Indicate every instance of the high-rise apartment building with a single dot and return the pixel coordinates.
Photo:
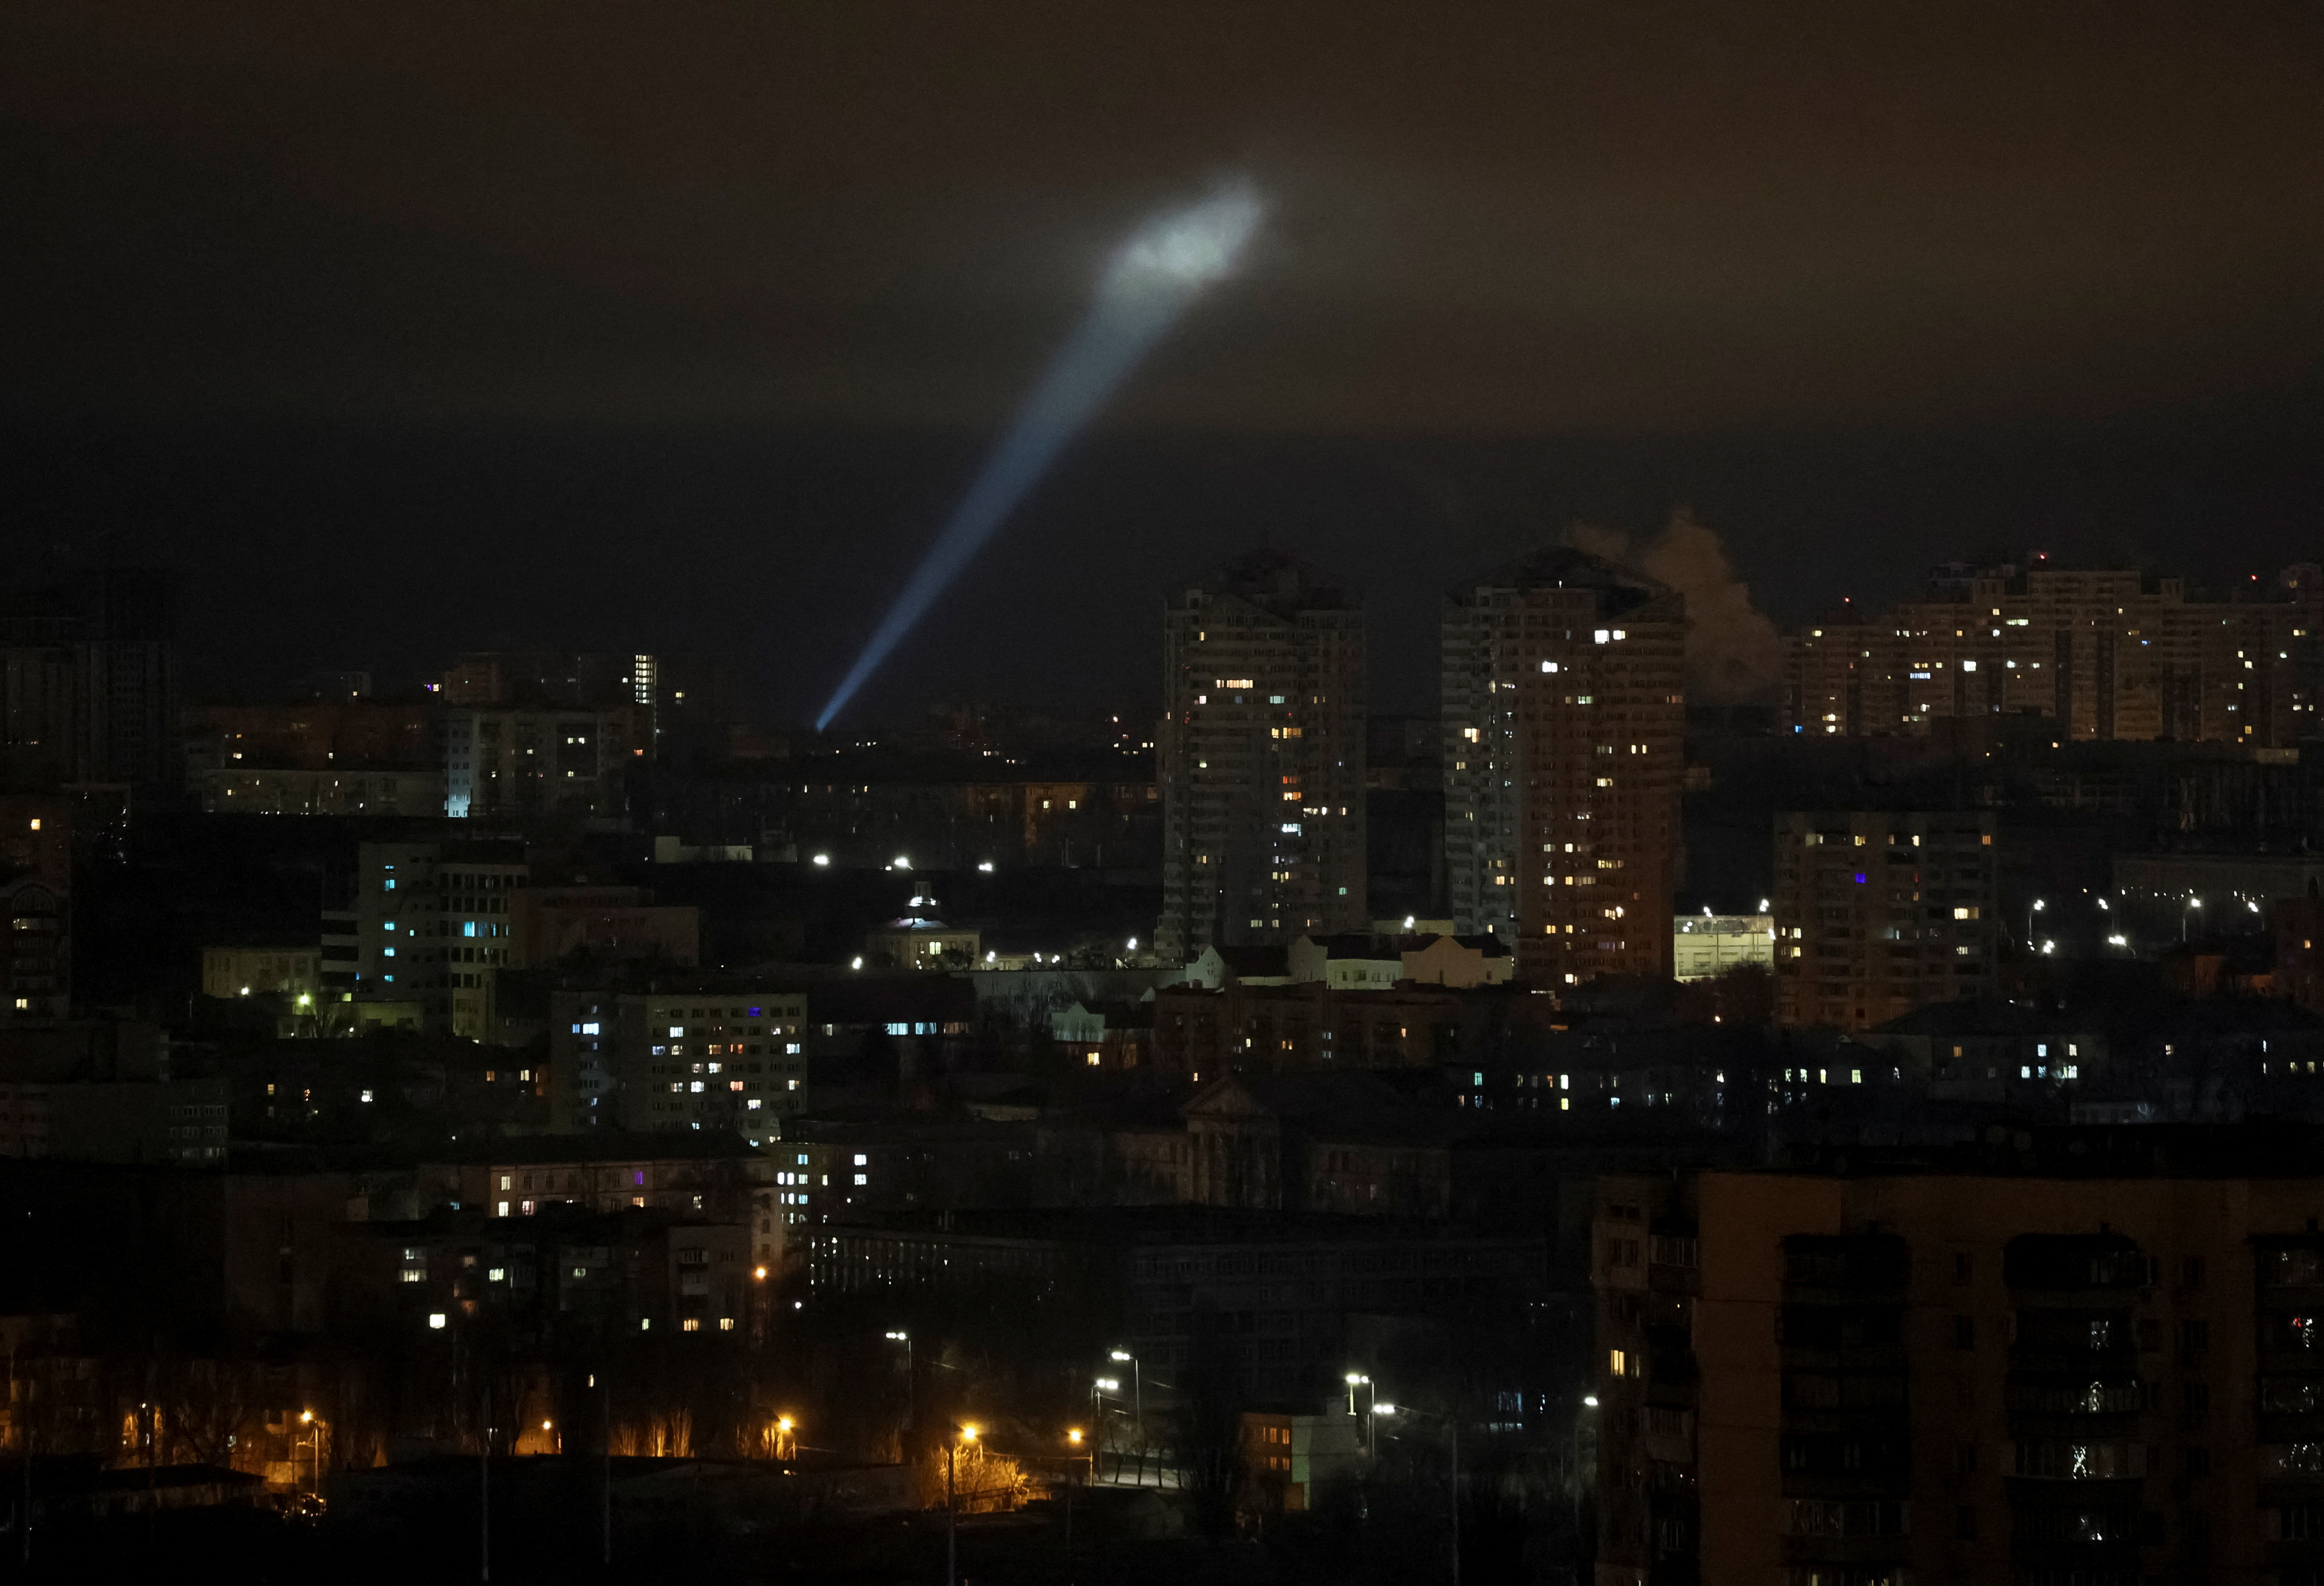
(432, 922)
(2086, 1359)
(1565, 710)
(2100, 653)
(1877, 912)
(1261, 758)
(88, 681)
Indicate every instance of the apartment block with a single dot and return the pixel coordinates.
(1878, 912)
(2099, 653)
(289, 971)
(1261, 758)
(2091, 1358)
(1565, 708)
(732, 1058)
(1705, 947)
(432, 922)
(512, 762)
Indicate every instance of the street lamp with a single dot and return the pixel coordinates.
(1452, 1426)
(314, 1439)
(2039, 905)
(952, 1548)
(1073, 1441)
(912, 1402)
(1136, 1404)
(1098, 1390)
(1356, 1379)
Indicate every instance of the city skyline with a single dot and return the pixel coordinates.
(1332, 792)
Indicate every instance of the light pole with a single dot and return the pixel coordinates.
(952, 1547)
(911, 1401)
(1104, 1386)
(2039, 905)
(315, 1440)
(1073, 1441)
(1136, 1400)
(2192, 903)
(1452, 1424)
(1356, 1379)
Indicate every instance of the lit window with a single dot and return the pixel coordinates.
(692, 1324)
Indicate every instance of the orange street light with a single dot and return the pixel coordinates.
(1075, 1436)
(305, 1416)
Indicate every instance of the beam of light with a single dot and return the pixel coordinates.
(1153, 276)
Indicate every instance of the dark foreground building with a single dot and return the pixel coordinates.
(2088, 1356)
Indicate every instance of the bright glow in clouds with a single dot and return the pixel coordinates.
(1154, 275)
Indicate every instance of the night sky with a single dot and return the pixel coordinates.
(409, 328)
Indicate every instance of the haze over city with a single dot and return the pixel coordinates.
(1346, 793)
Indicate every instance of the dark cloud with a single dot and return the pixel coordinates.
(414, 326)
(1572, 217)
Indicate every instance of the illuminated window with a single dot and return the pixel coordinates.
(692, 1324)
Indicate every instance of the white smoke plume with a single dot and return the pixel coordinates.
(1733, 653)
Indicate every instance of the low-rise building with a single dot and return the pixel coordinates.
(706, 1173)
(1380, 963)
(320, 790)
(180, 1122)
(501, 762)
(550, 924)
(1278, 1291)
(1199, 1032)
(288, 971)
(1110, 1035)
(915, 941)
(704, 1055)
(1289, 1458)
(579, 1276)
(1705, 947)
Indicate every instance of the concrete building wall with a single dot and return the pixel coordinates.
(1878, 912)
(1262, 759)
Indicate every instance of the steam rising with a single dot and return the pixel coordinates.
(1152, 278)
(1733, 650)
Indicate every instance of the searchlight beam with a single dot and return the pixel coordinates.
(1149, 282)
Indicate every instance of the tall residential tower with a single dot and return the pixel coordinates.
(1564, 715)
(1261, 758)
